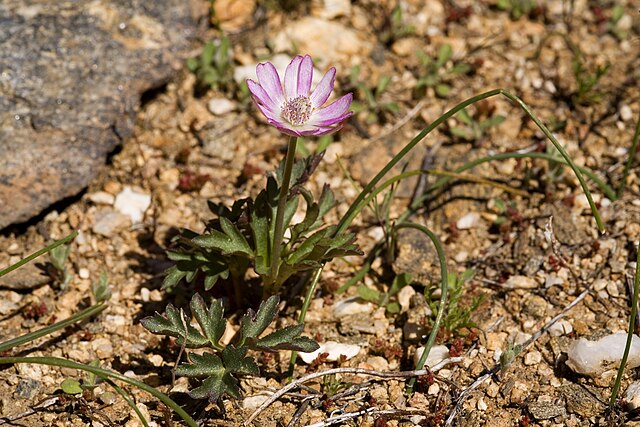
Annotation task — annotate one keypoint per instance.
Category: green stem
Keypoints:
(354, 210)
(129, 401)
(632, 156)
(607, 190)
(444, 287)
(86, 313)
(313, 284)
(38, 253)
(103, 373)
(563, 152)
(271, 286)
(632, 318)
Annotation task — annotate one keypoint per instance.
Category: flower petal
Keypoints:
(323, 90)
(334, 120)
(270, 82)
(333, 112)
(291, 78)
(269, 114)
(260, 95)
(305, 76)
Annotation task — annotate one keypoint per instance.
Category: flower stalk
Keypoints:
(271, 286)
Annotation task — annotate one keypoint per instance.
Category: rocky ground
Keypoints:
(523, 226)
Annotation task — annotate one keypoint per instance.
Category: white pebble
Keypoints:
(594, 357)
(468, 221)
(437, 354)
(334, 351)
(133, 204)
(84, 273)
(561, 327)
(625, 113)
(221, 106)
(349, 306)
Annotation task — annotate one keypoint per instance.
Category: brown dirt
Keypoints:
(182, 155)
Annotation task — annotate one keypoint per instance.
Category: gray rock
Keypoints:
(546, 411)
(28, 388)
(71, 75)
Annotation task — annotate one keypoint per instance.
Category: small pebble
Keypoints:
(349, 306)
(625, 113)
(437, 354)
(632, 396)
(533, 358)
(221, 106)
(102, 198)
(132, 204)
(481, 404)
(334, 350)
(84, 273)
(468, 221)
(561, 327)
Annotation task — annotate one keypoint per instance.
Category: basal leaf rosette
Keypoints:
(293, 108)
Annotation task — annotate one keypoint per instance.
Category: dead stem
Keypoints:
(355, 371)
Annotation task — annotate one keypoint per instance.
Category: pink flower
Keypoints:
(295, 110)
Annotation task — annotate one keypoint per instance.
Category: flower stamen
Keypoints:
(297, 110)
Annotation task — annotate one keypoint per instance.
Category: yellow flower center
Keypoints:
(297, 110)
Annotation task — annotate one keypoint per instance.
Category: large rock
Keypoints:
(71, 75)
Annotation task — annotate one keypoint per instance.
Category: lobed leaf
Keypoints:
(173, 323)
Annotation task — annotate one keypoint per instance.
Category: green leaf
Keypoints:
(443, 90)
(172, 323)
(493, 121)
(230, 241)
(399, 282)
(172, 277)
(383, 82)
(235, 361)
(444, 54)
(100, 289)
(211, 320)
(393, 308)
(306, 247)
(369, 294)
(253, 324)
(286, 339)
(71, 386)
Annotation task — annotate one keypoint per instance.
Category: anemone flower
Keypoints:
(294, 110)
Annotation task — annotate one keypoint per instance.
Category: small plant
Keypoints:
(213, 68)
(57, 267)
(435, 73)
(370, 98)
(458, 316)
(519, 8)
(100, 289)
(474, 127)
(251, 233)
(395, 28)
(509, 355)
(220, 366)
(84, 386)
(241, 237)
(384, 299)
(586, 92)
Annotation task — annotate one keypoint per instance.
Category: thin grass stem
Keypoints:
(127, 398)
(444, 287)
(38, 253)
(632, 155)
(632, 318)
(84, 314)
(103, 373)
